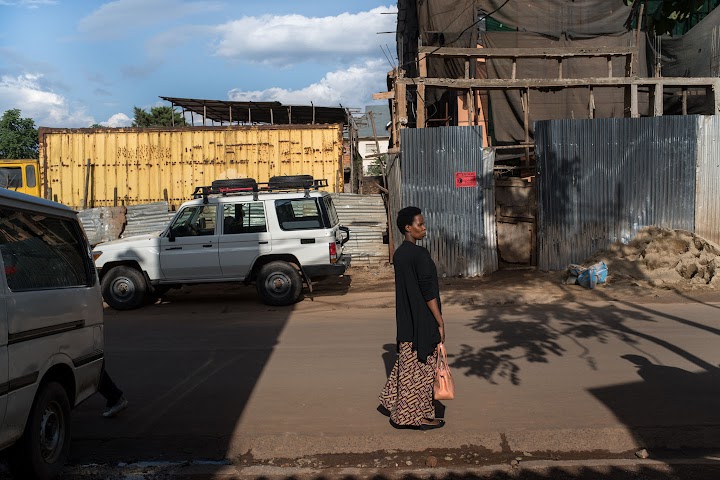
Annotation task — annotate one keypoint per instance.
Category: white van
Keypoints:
(51, 330)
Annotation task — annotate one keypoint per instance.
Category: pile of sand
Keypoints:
(663, 257)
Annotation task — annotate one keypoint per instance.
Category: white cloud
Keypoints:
(36, 101)
(116, 19)
(118, 120)
(351, 87)
(296, 38)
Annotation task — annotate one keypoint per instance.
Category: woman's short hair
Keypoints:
(406, 216)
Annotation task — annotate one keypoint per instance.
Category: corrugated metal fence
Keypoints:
(707, 203)
(600, 181)
(461, 221)
(366, 217)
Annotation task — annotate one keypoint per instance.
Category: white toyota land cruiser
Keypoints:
(279, 235)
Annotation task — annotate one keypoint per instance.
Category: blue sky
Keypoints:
(72, 63)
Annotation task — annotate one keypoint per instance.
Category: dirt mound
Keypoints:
(663, 257)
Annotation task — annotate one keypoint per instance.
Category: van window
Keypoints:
(197, 220)
(30, 175)
(332, 213)
(301, 214)
(42, 252)
(11, 177)
(244, 218)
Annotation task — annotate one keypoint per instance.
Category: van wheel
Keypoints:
(43, 448)
(279, 284)
(124, 288)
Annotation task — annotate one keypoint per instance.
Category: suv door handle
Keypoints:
(263, 243)
(207, 245)
(173, 248)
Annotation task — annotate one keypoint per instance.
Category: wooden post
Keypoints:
(421, 105)
(467, 68)
(560, 68)
(658, 100)
(172, 114)
(272, 120)
(716, 96)
(421, 114)
(634, 110)
(526, 123)
(87, 184)
(591, 103)
(400, 91)
(471, 108)
(230, 115)
(514, 68)
(610, 66)
(204, 114)
(684, 101)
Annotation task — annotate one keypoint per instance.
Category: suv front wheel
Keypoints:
(279, 284)
(124, 288)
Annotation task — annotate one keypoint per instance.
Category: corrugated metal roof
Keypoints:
(601, 181)
(228, 111)
(461, 221)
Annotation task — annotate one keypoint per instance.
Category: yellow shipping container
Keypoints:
(86, 168)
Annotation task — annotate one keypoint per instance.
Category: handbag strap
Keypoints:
(442, 355)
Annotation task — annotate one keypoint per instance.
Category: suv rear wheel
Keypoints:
(279, 284)
(124, 288)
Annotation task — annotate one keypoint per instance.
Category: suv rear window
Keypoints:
(332, 213)
(298, 214)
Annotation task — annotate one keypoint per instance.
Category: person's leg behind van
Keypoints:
(116, 403)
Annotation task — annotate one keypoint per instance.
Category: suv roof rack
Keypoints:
(249, 185)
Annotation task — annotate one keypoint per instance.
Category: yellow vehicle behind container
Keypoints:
(20, 176)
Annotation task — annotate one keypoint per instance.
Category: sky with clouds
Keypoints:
(74, 63)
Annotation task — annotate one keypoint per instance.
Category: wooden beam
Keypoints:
(420, 106)
(527, 52)
(591, 104)
(610, 66)
(658, 100)
(684, 101)
(634, 110)
(384, 95)
(534, 83)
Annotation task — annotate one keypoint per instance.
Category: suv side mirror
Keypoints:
(171, 235)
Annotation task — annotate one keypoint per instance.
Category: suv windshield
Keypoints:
(300, 214)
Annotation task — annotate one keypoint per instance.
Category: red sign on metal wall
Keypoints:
(465, 179)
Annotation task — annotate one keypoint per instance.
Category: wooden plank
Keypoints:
(514, 69)
(658, 100)
(522, 83)
(384, 95)
(610, 66)
(634, 110)
(471, 108)
(528, 52)
(684, 101)
(420, 106)
(560, 67)
(591, 104)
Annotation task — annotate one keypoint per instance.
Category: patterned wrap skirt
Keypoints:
(408, 393)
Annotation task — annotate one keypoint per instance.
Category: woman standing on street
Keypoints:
(408, 393)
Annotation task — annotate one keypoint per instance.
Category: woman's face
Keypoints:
(417, 230)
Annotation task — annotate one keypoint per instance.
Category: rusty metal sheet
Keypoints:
(461, 221)
(130, 166)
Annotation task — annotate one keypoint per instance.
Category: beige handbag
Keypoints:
(444, 386)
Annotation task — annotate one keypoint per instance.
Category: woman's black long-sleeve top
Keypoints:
(416, 283)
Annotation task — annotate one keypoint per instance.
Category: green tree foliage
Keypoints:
(18, 136)
(376, 167)
(157, 117)
(663, 15)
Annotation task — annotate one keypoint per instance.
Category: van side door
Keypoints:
(244, 237)
(189, 250)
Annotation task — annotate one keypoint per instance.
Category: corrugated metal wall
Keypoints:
(600, 181)
(461, 221)
(154, 164)
(707, 195)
